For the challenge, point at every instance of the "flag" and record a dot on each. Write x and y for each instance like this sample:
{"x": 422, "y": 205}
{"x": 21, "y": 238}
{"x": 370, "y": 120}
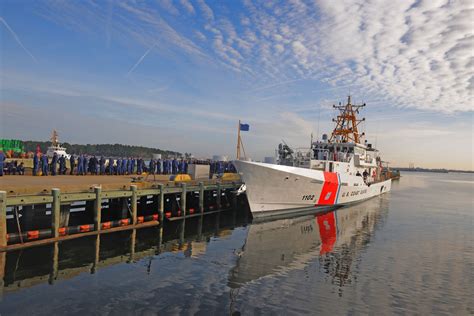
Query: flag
{"x": 244, "y": 127}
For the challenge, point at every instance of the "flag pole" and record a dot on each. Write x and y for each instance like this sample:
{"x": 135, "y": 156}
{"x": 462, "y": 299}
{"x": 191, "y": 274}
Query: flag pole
{"x": 238, "y": 142}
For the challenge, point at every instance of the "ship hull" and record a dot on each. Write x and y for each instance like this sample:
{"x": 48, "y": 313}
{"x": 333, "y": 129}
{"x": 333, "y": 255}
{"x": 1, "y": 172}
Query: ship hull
{"x": 275, "y": 190}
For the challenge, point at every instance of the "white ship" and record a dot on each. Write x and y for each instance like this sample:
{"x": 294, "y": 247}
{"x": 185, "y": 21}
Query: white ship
{"x": 56, "y": 147}
{"x": 336, "y": 171}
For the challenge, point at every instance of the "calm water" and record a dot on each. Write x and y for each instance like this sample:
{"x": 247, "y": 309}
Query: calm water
{"x": 408, "y": 252}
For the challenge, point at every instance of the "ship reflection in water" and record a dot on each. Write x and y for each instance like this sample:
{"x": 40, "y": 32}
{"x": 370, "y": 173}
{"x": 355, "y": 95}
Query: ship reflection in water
{"x": 335, "y": 237}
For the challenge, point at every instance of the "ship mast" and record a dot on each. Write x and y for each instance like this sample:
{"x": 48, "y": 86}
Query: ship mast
{"x": 347, "y": 123}
{"x": 54, "y": 138}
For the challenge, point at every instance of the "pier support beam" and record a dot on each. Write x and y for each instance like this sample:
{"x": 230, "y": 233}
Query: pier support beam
{"x": 97, "y": 208}
{"x": 55, "y": 212}
{"x": 133, "y": 202}
{"x": 183, "y": 198}
{"x": 3, "y": 219}
{"x": 201, "y": 197}
{"x": 161, "y": 203}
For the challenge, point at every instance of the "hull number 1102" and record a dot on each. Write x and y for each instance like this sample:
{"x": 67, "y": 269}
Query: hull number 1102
{"x": 309, "y": 197}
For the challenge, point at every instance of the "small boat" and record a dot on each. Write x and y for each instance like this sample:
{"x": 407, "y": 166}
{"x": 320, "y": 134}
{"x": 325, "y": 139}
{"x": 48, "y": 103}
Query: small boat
{"x": 56, "y": 147}
{"x": 336, "y": 171}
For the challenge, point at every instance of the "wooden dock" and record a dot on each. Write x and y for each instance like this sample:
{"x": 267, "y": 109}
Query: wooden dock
{"x": 41, "y": 210}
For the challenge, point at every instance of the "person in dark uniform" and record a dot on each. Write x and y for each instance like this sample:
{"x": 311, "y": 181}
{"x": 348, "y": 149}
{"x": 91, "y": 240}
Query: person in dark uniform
{"x": 139, "y": 166}
{"x": 174, "y": 166}
{"x": 72, "y": 164}
{"x": 151, "y": 166}
{"x": 158, "y": 166}
{"x": 2, "y": 159}
{"x": 44, "y": 165}
{"x": 111, "y": 166}
{"x": 80, "y": 165}
{"x": 35, "y": 164}
{"x": 62, "y": 165}
{"x": 85, "y": 163}
{"x": 54, "y": 166}
{"x": 102, "y": 165}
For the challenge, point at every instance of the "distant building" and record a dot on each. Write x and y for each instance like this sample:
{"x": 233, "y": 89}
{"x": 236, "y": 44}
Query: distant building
{"x": 219, "y": 158}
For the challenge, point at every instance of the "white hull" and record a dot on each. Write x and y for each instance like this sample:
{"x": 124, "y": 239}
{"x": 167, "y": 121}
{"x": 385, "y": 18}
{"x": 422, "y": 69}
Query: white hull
{"x": 283, "y": 190}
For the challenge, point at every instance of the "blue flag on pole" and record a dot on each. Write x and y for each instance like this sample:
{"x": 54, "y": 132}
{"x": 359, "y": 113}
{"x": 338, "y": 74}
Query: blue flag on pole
{"x": 244, "y": 127}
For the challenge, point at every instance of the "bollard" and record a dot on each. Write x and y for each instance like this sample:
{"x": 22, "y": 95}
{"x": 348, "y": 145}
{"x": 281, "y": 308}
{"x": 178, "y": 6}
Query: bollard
{"x": 183, "y": 199}
{"x": 97, "y": 208}
{"x": 133, "y": 202}
{"x": 219, "y": 193}
{"x": 55, "y": 212}
{"x": 201, "y": 197}
{"x": 3, "y": 219}
{"x": 161, "y": 203}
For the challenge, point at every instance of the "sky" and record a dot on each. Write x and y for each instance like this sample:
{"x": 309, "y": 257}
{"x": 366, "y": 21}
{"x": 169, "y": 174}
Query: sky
{"x": 179, "y": 75}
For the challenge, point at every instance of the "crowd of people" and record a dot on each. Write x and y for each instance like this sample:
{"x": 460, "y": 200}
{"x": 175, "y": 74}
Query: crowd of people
{"x": 92, "y": 165}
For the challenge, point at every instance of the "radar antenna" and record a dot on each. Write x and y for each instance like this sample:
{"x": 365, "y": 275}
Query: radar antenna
{"x": 347, "y": 123}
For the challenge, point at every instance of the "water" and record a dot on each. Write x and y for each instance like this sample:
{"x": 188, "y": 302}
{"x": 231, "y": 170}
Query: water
{"x": 407, "y": 252}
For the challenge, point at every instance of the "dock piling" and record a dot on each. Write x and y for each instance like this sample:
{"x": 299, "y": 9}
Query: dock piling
{"x": 55, "y": 212}
{"x": 201, "y": 197}
{"x": 161, "y": 203}
{"x": 133, "y": 202}
{"x": 97, "y": 208}
{"x": 183, "y": 198}
{"x": 219, "y": 196}
{"x": 3, "y": 219}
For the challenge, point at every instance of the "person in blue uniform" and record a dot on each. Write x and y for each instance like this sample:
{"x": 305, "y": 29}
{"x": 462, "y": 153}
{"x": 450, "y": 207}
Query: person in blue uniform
{"x": 35, "y": 164}
{"x": 186, "y": 167}
{"x": 44, "y": 165}
{"x": 158, "y": 166}
{"x": 79, "y": 170}
{"x": 85, "y": 163}
{"x": 174, "y": 166}
{"x": 72, "y": 164}
{"x": 151, "y": 166}
{"x": 118, "y": 168}
{"x": 2, "y": 159}
{"x": 102, "y": 165}
{"x": 139, "y": 166}
{"x": 54, "y": 166}
{"x": 62, "y": 165}
{"x": 111, "y": 166}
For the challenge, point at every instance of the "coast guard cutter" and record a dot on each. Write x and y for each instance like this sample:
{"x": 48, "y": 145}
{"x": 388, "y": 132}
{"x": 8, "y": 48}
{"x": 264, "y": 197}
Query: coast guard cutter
{"x": 336, "y": 171}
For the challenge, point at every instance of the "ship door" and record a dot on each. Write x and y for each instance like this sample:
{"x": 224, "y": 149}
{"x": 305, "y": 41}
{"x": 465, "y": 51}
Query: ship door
{"x": 330, "y": 167}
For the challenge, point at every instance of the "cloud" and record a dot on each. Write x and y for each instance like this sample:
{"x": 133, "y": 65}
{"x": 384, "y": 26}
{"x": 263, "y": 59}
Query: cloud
{"x": 188, "y": 6}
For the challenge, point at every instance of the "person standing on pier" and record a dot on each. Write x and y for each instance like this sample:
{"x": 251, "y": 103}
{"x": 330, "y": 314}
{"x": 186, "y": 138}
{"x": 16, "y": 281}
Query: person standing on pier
{"x": 54, "y": 163}
{"x": 102, "y": 165}
{"x": 85, "y": 163}
{"x": 151, "y": 167}
{"x": 111, "y": 166}
{"x": 44, "y": 165}
{"x": 72, "y": 164}
{"x": 62, "y": 165}
{"x": 35, "y": 164}
{"x": 2, "y": 159}
{"x": 158, "y": 166}
{"x": 80, "y": 165}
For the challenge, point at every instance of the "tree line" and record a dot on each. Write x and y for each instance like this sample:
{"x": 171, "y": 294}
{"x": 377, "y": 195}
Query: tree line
{"x": 108, "y": 150}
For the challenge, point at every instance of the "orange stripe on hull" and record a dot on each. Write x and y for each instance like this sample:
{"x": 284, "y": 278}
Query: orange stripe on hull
{"x": 329, "y": 191}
